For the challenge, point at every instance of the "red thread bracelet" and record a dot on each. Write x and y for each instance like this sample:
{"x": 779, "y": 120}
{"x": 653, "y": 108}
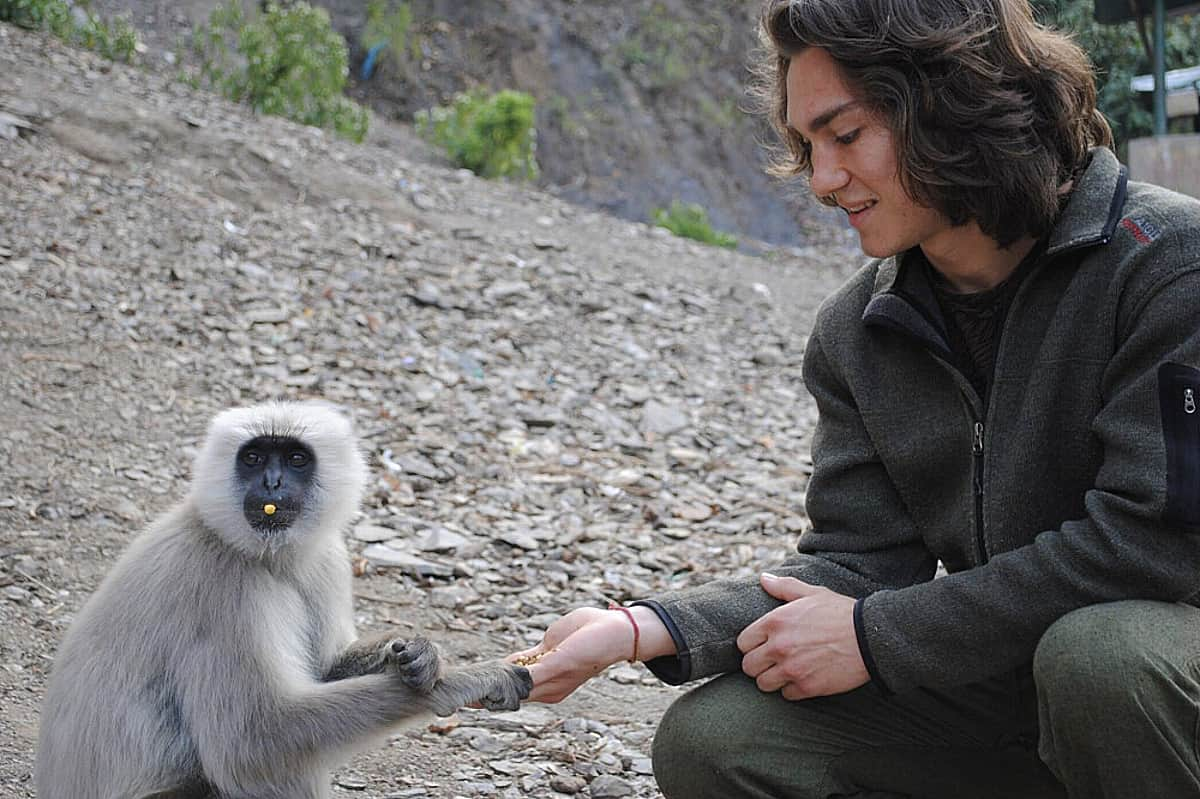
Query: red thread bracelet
{"x": 637, "y": 633}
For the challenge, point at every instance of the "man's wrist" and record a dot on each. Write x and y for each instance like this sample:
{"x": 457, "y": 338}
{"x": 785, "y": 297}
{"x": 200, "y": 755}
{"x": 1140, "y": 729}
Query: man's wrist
{"x": 654, "y": 639}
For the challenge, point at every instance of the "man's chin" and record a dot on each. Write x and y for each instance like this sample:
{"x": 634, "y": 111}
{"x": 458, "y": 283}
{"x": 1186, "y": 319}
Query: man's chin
{"x": 875, "y": 249}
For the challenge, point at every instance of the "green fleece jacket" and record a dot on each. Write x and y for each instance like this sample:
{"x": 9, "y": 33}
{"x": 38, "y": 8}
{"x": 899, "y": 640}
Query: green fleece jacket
{"x": 1078, "y": 483}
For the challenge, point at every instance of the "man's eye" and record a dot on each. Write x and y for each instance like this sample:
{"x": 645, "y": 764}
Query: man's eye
{"x": 251, "y": 458}
{"x": 298, "y": 459}
{"x": 848, "y": 138}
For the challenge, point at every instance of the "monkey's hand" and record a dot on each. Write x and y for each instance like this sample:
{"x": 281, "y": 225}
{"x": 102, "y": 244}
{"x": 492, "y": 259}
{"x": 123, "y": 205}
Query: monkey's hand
{"x": 417, "y": 662}
{"x": 495, "y": 685}
{"x": 374, "y": 654}
{"x": 512, "y": 684}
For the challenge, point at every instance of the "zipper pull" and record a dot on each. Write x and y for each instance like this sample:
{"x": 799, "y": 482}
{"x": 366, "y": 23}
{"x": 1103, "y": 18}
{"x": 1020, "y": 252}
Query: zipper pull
{"x": 977, "y": 444}
{"x": 1189, "y": 401}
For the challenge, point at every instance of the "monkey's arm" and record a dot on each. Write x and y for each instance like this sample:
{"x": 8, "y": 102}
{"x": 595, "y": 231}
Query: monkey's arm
{"x": 258, "y": 729}
{"x": 495, "y": 685}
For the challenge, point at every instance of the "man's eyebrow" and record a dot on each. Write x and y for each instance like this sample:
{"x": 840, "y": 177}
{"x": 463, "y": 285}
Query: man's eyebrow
{"x": 823, "y": 119}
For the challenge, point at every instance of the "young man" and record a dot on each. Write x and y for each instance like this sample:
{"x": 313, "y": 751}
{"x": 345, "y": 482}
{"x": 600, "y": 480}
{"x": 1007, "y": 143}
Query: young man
{"x": 1010, "y": 389}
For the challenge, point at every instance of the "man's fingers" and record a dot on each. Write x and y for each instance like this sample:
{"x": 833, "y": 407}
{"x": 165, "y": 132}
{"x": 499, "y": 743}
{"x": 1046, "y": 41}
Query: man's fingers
{"x": 793, "y": 693}
{"x": 551, "y": 685}
{"x": 752, "y": 637}
{"x": 524, "y": 654}
{"x": 756, "y": 662}
{"x": 771, "y": 680}
{"x": 786, "y": 588}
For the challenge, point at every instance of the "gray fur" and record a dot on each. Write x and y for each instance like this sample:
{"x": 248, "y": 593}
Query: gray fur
{"x": 217, "y": 661}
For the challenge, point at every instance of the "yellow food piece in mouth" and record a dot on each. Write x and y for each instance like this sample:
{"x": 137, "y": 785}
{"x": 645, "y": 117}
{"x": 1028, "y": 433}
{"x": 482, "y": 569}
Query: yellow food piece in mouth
{"x": 269, "y": 510}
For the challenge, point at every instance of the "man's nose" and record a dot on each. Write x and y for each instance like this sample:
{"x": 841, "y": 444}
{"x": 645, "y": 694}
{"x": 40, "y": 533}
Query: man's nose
{"x": 828, "y": 175}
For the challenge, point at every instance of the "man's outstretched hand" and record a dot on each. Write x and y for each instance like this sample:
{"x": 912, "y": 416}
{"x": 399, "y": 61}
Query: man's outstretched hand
{"x": 584, "y": 643}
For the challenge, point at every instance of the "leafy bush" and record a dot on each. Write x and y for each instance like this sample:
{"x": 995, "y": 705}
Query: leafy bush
{"x": 491, "y": 136}
{"x": 1118, "y": 54}
{"x": 74, "y": 24}
{"x": 287, "y": 62}
{"x": 665, "y": 50}
{"x": 691, "y": 221}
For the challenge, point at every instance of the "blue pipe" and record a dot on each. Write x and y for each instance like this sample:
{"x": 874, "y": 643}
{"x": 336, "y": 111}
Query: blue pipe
{"x": 368, "y": 65}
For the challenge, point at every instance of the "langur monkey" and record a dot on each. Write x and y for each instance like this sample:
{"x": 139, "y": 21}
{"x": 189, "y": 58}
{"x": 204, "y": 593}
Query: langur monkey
{"x": 218, "y": 658}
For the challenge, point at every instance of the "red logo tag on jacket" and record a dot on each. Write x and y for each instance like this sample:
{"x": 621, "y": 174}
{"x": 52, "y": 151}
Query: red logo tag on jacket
{"x": 1144, "y": 232}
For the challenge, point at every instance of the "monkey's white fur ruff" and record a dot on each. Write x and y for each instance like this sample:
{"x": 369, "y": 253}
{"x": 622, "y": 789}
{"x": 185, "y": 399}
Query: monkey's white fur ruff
{"x": 337, "y": 493}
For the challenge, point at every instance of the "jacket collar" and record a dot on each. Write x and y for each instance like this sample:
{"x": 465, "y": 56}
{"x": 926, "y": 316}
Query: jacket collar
{"x": 1089, "y": 218}
{"x": 1095, "y": 206}
{"x": 903, "y": 300}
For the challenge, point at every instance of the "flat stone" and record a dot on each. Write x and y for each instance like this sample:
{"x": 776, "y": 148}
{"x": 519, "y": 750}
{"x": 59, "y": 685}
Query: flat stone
{"x": 662, "y": 419}
{"x": 518, "y": 539}
{"x": 372, "y": 533}
{"x": 267, "y": 316}
{"x": 506, "y": 289}
{"x": 385, "y": 556}
{"x": 607, "y": 786}
{"x": 415, "y": 464}
{"x": 567, "y": 785}
{"x": 439, "y": 539}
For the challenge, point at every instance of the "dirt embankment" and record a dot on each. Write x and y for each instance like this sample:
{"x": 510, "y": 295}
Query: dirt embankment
{"x": 639, "y": 103}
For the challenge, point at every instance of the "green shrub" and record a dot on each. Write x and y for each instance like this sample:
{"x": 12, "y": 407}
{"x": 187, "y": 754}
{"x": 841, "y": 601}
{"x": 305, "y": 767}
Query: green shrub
{"x": 691, "y": 221}
{"x": 51, "y": 15}
{"x": 664, "y": 51}
{"x": 74, "y": 24}
{"x": 1118, "y": 55}
{"x": 116, "y": 40}
{"x": 491, "y": 136}
{"x": 287, "y": 62}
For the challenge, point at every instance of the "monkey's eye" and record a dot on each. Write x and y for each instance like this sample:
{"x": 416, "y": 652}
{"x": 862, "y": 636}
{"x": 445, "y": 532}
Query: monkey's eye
{"x": 298, "y": 459}
{"x": 251, "y": 458}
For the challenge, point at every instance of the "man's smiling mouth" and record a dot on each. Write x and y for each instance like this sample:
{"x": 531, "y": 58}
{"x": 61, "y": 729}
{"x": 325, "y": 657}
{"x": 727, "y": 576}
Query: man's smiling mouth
{"x": 855, "y": 209}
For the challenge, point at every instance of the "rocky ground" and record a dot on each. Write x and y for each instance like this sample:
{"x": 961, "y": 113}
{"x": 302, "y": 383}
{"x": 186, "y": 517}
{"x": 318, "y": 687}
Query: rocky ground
{"x": 561, "y": 408}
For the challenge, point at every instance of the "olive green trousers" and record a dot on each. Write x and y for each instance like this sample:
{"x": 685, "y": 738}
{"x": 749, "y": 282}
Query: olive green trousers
{"x": 1110, "y": 708}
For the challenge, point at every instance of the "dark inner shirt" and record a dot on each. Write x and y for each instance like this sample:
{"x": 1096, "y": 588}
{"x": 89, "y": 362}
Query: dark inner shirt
{"x": 975, "y": 321}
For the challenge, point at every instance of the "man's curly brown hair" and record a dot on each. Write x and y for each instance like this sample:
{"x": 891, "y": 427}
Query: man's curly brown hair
{"x": 992, "y": 115}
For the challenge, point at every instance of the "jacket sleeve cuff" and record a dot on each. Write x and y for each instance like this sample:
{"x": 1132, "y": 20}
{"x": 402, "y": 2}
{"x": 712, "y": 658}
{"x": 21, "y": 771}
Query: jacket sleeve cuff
{"x": 865, "y": 649}
{"x": 673, "y": 670}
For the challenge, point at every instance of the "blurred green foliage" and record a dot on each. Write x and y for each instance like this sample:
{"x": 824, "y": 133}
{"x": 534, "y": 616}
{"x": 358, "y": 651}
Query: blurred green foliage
{"x": 493, "y": 136}
{"x": 1118, "y": 54}
{"x": 287, "y": 61}
{"x": 665, "y": 50}
{"x": 691, "y": 221}
{"x": 75, "y": 24}
{"x": 391, "y": 25}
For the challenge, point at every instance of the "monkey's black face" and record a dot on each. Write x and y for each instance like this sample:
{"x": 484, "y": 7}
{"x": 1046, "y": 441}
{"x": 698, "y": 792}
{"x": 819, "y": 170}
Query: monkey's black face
{"x": 277, "y": 474}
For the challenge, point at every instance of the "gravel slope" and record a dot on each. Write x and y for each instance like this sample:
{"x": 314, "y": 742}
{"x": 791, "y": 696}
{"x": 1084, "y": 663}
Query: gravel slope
{"x": 561, "y": 408}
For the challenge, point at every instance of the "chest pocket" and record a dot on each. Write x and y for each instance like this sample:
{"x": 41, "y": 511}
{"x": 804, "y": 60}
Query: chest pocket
{"x": 1179, "y": 398}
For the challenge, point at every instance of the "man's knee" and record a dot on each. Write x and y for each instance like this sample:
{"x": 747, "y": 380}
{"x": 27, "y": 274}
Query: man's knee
{"x": 1117, "y": 694}
{"x": 1102, "y": 652}
{"x": 689, "y": 742}
{"x": 711, "y": 744}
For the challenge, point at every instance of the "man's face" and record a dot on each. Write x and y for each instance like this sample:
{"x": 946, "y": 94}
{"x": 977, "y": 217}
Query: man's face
{"x": 854, "y": 159}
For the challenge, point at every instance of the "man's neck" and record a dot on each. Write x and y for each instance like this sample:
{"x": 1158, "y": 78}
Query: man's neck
{"x": 971, "y": 261}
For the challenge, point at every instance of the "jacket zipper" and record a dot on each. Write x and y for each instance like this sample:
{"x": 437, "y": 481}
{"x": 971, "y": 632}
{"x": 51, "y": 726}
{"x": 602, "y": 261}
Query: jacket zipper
{"x": 1179, "y": 396}
{"x": 977, "y": 453}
